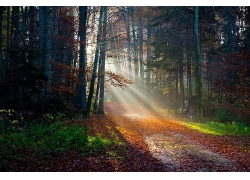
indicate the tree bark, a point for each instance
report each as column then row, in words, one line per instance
column 148, row 53
column 48, row 45
column 1, row 44
column 127, row 23
column 41, row 33
column 180, row 61
column 103, row 54
column 140, row 39
column 198, row 65
column 135, row 48
column 92, row 82
column 82, row 58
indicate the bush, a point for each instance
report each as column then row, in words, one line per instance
column 65, row 139
column 224, row 115
column 44, row 138
column 97, row 143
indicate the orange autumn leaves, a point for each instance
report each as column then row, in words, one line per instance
column 134, row 131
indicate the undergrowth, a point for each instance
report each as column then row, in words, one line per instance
column 217, row 128
column 54, row 137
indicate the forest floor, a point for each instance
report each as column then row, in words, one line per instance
column 142, row 141
column 177, row 147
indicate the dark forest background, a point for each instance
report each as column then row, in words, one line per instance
column 193, row 61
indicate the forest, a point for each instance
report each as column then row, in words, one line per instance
column 124, row 88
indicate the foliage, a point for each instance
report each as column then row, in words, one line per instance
column 56, row 137
column 225, row 115
column 19, row 91
column 118, row 144
column 232, row 78
column 117, row 80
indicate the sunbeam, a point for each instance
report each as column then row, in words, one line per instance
column 133, row 96
column 135, row 100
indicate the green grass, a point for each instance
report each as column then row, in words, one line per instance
column 56, row 137
column 216, row 128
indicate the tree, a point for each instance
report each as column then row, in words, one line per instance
column 82, row 56
column 97, row 51
column 1, row 43
column 102, row 67
column 126, row 17
column 198, row 65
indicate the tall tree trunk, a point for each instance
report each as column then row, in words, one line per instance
column 48, row 45
column 82, row 58
column 140, row 39
column 8, row 34
column 98, row 84
column 180, row 61
column 103, row 54
column 176, row 88
column 127, row 23
column 31, row 26
column 117, row 58
column 42, row 52
column 1, row 43
column 135, row 48
column 198, row 65
column 148, row 52
column 15, row 21
column 16, row 62
column 41, row 33
column 92, row 82
column 189, row 65
column 148, row 75
column 14, row 33
column 24, row 12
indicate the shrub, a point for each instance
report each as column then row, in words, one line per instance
column 65, row 138
column 56, row 137
column 224, row 115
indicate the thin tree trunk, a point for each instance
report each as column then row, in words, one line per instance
column 176, row 89
column 47, row 63
column 148, row 78
column 189, row 64
column 1, row 44
column 127, row 23
column 180, row 61
column 92, row 82
column 135, row 47
column 8, row 34
column 98, row 85
column 15, row 21
column 41, row 33
column 140, row 39
column 117, row 55
column 198, row 65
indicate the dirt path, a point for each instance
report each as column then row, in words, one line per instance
column 178, row 147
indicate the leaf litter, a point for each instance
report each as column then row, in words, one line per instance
column 142, row 141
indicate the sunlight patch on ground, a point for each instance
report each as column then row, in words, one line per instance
column 134, row 116
column 203, row 130
column 219, row 129
column 171, row 150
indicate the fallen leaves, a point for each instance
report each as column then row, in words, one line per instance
column 230, row 147
column 130, row 152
